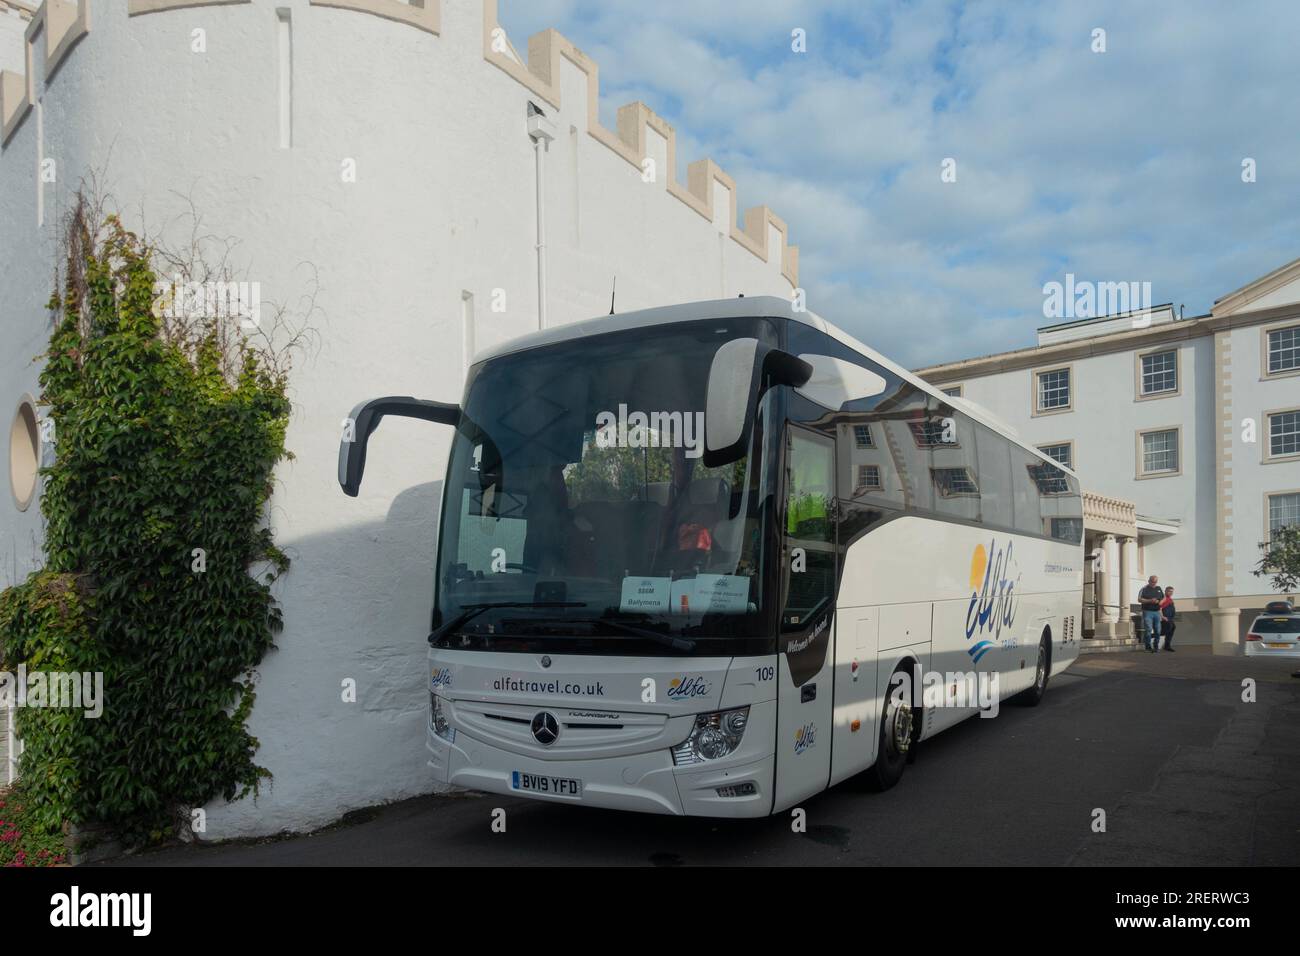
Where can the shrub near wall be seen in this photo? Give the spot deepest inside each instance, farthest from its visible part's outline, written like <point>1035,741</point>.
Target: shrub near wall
<point>24,841</point>
<point>167,434</point>
<point>43,625</point>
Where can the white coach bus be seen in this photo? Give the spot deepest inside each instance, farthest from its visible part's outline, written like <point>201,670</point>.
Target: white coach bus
<point>688,555</point>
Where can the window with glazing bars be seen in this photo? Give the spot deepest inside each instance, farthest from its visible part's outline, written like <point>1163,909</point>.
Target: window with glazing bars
<point>1283,511</point>
<point>1060,453</point>
<point>954,481</point>
<point>1159,372</point>
<point>1054,389</point>
<point>868,476</point>
<point>929,433</point>
<point>1284,433</point>
<point>1159,452</point>
<point>1284,349</point>
<point>1049,479</point>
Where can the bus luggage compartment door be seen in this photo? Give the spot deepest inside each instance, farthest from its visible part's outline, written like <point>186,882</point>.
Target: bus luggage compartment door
<point>857,708</point>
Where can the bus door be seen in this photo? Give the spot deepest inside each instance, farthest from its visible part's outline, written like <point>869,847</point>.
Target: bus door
<point>804,646</point>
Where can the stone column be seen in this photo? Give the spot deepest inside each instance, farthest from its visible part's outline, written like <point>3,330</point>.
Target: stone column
<point>1102,588</point>
<point>1127,565</point>
<point>1090,583</point>
<point>1224,630</point>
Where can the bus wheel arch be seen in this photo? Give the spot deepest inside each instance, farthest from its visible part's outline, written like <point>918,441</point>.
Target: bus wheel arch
<point>1033,695</point>
<point>900,728</point>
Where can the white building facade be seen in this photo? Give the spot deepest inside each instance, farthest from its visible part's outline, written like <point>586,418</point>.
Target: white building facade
<point>1192,424</point>
<point>438,193</point>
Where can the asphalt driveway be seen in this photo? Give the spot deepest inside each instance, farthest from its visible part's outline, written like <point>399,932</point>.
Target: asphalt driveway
<point>1185,771</point>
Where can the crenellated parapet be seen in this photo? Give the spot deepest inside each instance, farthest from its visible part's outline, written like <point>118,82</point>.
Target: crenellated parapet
<point>23,10</point>
<point>548,49</point>
<point>641,137</point>
<point>59,24</point>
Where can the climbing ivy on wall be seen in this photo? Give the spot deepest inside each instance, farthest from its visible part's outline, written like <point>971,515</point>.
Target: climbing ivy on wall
<point>158,561</point>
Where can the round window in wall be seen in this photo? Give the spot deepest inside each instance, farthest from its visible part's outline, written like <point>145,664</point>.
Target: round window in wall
<point>24,454</point>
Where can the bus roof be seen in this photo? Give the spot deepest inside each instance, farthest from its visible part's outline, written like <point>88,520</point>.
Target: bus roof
<point>746,307</point>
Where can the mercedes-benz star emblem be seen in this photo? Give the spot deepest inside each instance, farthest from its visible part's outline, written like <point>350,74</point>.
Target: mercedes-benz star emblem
<point>545,728</point>
<point>546,661</point>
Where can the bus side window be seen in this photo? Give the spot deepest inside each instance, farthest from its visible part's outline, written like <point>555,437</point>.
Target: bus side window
<point>809,528</point>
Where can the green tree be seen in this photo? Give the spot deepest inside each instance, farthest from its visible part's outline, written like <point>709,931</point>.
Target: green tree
<point>1281,559</point>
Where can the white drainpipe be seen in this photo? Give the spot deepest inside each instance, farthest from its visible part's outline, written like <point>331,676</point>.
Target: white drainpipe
<point>542,132</point>
<point>11,746</point>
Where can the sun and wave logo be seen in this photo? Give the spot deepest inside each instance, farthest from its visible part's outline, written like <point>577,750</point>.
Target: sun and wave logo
<point>993,600</point>
<point>805,738</point>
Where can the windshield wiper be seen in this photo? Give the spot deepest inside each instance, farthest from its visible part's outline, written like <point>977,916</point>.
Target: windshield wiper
<point>471,611</point>
<point>667,640</point>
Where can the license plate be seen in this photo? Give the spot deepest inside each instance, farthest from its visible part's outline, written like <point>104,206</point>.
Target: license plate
<point>540,783</point>
<point>1280,646</point>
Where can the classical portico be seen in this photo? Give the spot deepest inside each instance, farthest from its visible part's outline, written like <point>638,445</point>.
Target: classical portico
<point>1110,536</point>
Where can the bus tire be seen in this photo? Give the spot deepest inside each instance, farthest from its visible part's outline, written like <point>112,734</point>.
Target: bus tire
<point>898,732</point>
<point>1031,696</point>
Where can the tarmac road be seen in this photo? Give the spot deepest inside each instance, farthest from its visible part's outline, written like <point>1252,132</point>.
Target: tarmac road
<point>1186,772</point>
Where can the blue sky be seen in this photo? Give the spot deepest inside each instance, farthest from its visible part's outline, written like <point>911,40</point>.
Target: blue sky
<point>1115,166</point>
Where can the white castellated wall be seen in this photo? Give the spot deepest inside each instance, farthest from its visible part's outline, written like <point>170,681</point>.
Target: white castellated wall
<point>14,18</point>
<point>430,101</point>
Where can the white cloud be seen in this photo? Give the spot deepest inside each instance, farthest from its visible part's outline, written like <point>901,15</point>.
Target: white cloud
<point>1122,165</point>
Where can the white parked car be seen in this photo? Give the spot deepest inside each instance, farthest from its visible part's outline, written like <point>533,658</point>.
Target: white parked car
<point>1276,632</point>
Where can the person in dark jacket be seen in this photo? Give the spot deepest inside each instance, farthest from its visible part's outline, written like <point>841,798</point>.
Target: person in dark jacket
<point>1167,613</point>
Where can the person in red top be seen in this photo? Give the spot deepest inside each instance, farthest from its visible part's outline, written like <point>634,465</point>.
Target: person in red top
<point>687,535</point>
<point>1167,618</point>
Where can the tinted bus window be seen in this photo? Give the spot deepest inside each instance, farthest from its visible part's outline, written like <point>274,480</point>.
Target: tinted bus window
<point>994,453</point>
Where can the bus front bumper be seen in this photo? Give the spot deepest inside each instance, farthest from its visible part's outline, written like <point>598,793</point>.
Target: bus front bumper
<point>645,782</point>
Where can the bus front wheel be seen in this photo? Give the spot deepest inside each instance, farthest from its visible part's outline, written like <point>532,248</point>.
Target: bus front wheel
<point>897,737</point>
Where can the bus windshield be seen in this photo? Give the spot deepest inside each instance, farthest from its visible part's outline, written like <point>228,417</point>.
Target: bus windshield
<point>579,517</point>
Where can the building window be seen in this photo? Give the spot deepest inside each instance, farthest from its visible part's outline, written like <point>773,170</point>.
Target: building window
<point>1283,511</point>
<point>1049,479</point>
<point>24,454</point>
<point>1284,434</point>
<point>930,433</point>
<point>1061,452</point>
<point>1067,529</point>
<point>1159,452</point>
<point>953,390</point>
<point>868,479</point>
<point>1159,373</point>
<point>1284,350</point>
<point>1053,391</point>
<point>954,481</point>
<point>862,436</point>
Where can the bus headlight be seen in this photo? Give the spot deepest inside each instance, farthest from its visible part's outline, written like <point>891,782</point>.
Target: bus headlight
<point>441,726</point>
<point>713,737</point>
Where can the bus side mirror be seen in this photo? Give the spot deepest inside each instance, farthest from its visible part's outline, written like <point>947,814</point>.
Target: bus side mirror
<point>742,370</point>
<point>365,418</point>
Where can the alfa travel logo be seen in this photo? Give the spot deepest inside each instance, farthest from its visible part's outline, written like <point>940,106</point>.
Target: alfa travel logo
<point>686,688</point>
<point>993,600</point>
